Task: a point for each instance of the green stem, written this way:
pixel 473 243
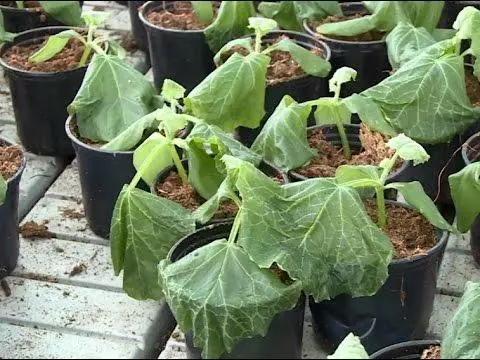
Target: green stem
pixel 178 164
pixel 258 43
pixel 381 212
pixel 343 136
pixel 235 227
pixel 85 55
pixel 388 168
pixel 236 199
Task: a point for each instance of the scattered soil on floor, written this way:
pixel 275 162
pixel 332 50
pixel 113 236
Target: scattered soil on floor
pixel 433 352
pixel 281 274
pixel 11 159
pixel 26 4
pixel 72 214
pixel 5 287
pixel 173 189
pixel 67 59
pixel 473 87
pixel 330 157
pixel 410 233
pixel 128 42
pixel 78 269
pixel 31 229
pixel 372 35
pixel 74 130
pixel 180 17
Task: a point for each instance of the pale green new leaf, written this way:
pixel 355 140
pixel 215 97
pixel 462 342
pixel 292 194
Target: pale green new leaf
pixel 262 26
pixel 154 143
pixel 408 149
pixel 144 228
pixel 415 196
pixel 468 26
pixel 3 190
pixel 316 230
pixel 329 110
pixel 203 10
pixel 67 12
pixel 223 296
pixel 465 189
pixel 246 43
pixel 172 90
pixel 350 348
pixel 95 18
pixel 233 95
pixel 341 76
pixel 54 45
pixel 113 95
pixel 460 339
pixel 358 175
pixel 230 23
pixel 349 27
pixel 283 139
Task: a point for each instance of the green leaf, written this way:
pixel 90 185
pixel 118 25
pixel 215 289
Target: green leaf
pixel 460 339
pixel 465 189
pixel 350 348
pixel 172 90
pixel 408 149
pixel 225 191
pixel 358 175
pixel 203 10
pixel 261 26
pixel 316 230
pixel 283 139
pixel 246 43
pixel 95 18
pixel 144 228
pixel 54 45
pixel 4 35
pixel 230 23
pixel 67 12
pixel 341 76
pixel 238 301
pixel 310 63
pixel 3 189
pixel 349 27
pixel 329 110
pixel 155 142
pixel 415 196
pixel 233 95
pixel 468 26
pixel 116 49
pixel 113 95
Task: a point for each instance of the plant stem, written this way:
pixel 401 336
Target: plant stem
pixel 258 42
pixel 343 136
pixel 85 55
pixel 381 212
pixel 235 227
pixel 178 164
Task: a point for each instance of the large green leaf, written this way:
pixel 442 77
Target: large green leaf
pixel 283 139
pixel 230 23
pixel 465 188
pixel 317 230
pixel 426 98
pixel 460 339
pixel 233 95
pixel 223 296
pixel 67 12
pixel 144 228
pixel 113 95
pixel 350 348
pixel 3 189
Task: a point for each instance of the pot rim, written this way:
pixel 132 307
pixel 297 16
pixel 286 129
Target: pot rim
pixel 465 146
pixel 22 166
pixel 6 46
pixel 380 354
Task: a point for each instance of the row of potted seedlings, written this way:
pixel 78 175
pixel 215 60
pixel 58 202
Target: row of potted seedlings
pixel 206 154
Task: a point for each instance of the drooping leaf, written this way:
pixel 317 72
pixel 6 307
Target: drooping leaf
pixel 223 296
pixel 3 189
pixel 95 18
pixel 283 139
pixel 113 95
pixel 67 12
pixel 54 45
pixel 358 175
pixel 460 339
pixel 468 26
pixel 261 26
pixel 349 27
pixel 415 196
pixel 206 211
pixel 408 149
pixel 230 23
pixel 350 348
pixel 246 43
pixel 203 10
pixel 154 143
pixel 465 189
pixel 341 76
pixel 144 228
pixel 233 95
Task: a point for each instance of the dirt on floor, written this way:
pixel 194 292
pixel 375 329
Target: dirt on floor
pixel 180 17
pixel 31 229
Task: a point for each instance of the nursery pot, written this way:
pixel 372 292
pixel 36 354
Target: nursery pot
pixel 102 176
pixel 471 154
pixel 405 350
pixel 180 55
pixel 138 31
pixel 399 311
pixel 284 336
pixel 9 243
pixel 368 58
pixel 17 20
pixel 303 88
pixel 40 100
pixel 330 132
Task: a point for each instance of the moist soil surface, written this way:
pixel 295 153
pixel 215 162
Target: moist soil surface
pixel 172 188
pixel 74 130
pixel 330 157
pixel 31 229
pixel 410 233
pixel 473 86
pixel 372 35
pixel 66 60
pixel 26 4
pixel 11 158
pixel 179 17
pixel 433 352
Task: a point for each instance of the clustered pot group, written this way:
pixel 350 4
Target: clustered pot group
pixel 239 138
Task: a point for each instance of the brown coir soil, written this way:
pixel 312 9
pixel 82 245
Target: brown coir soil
pixel 31 229
pixel 410 233
pixel 26 4
pixel 433 352
pixel 473 87
pixel 11 159
pixel 68 59
pixel 180 17
pixel 331 157
pixel 173 189
pixel 372 35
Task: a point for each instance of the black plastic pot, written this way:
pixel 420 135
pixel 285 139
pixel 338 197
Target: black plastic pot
pixel 284 337
pixel 18 20
pixel 400 311
pixel 40 100
pixel 180 55
pixel 368 58
pixel 352 131
pixel 139 32
pixel 102 176
pixel 451 10
pixel 9 243
pixel 303 88
pixel 471 154
pixel 405 350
